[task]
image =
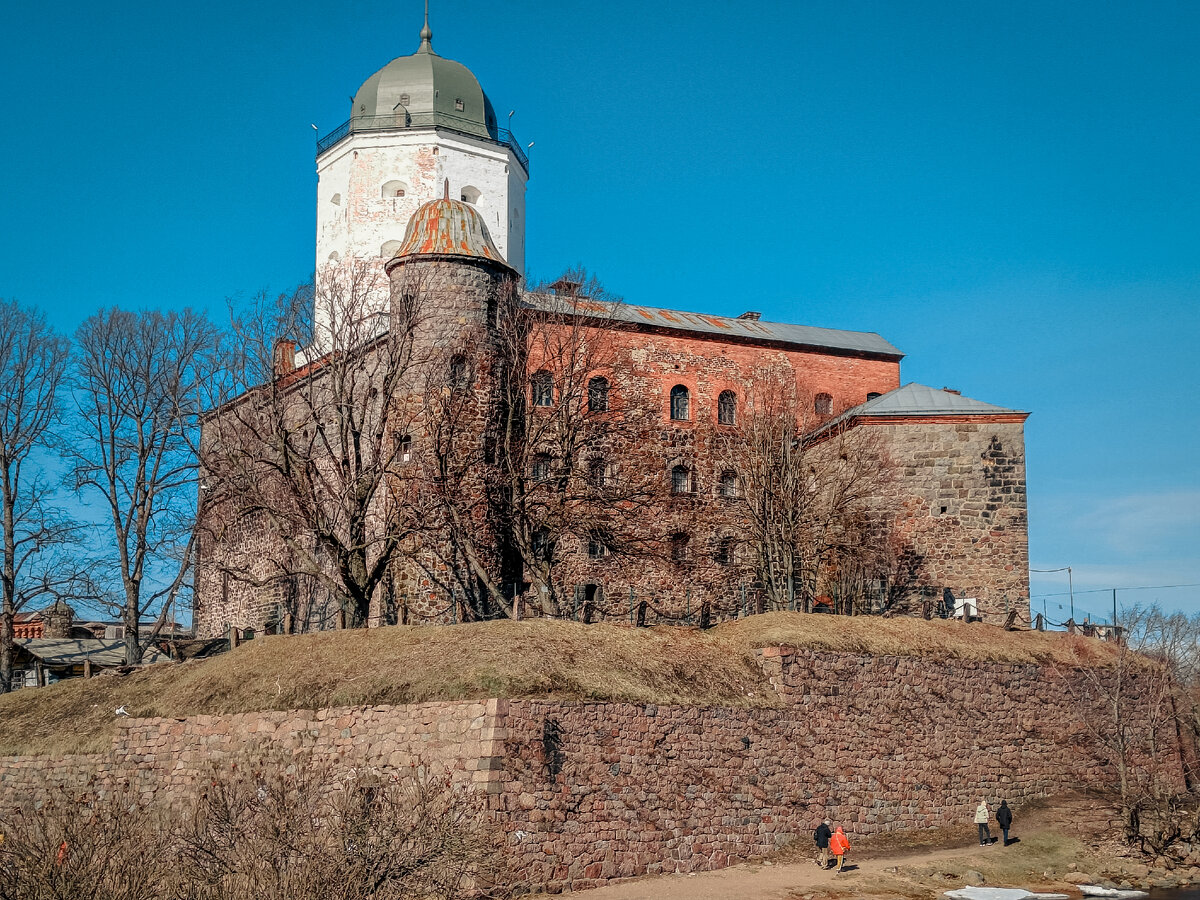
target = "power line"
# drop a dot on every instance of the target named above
(1142, 587)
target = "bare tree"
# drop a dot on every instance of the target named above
(1129, 719)
(33, 363)
(311, 452)
(556, 422)
(142, 380)
(814, 508)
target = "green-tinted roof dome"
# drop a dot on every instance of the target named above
(424, 89)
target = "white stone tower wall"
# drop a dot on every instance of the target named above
(363, 220)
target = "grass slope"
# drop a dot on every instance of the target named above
(537, 658)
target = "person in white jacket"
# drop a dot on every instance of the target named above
(982, 815)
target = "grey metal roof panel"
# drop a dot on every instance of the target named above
(73, 651)
(744, 329)
(914, 399)
(920, 399)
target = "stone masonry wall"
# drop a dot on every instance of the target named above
(965, 514)
(588, 792)
(876, 744)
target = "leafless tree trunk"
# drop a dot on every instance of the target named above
(33, 362)
(143, 379)
(1129, 715)
(815, 510)
(313, 451)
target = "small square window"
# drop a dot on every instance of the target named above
(404, 449)
(458, 104)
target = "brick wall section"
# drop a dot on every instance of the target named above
(876, 743)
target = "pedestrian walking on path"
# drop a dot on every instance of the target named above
(1004, 819)
(982, 815)
(838, 845)
(821, 837)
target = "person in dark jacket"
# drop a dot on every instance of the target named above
(1004, 819)
(821, 836)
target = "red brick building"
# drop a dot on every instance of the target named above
(676, 387)
(624, 492)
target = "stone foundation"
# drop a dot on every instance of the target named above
(589, 792)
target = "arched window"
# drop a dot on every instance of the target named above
(598, 472)
(729, 484)
(389, 248)
(679, 403)
(681, 480)
(727, 408)
(394, 189)
(334, 256)
(598, 394)
(541, 467)
(459, 376)
(598, 545)
(469, 195)
(723, 553)
(543, 388)
(679, 547)
(873, 395)
(542, 546)
(823, 404)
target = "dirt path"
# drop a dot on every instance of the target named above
(758, 881)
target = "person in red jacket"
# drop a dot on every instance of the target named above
(838, 845)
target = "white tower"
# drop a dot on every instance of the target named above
(420, 129)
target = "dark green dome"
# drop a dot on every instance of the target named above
(422, 90)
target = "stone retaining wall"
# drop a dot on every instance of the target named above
(588, 792)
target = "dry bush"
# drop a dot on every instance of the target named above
(72, 842)
(268, 828)
(273, 829)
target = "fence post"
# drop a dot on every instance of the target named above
(630, 605)
(745, 608)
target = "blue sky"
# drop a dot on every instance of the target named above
(1008, 192)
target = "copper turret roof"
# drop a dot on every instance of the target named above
(448, 228)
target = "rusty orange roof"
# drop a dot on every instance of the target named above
(448, 228)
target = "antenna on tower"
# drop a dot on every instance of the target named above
(426, 33)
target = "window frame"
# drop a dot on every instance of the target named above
(680, 401)
(598, 390)
(727, 408)
(541, 385)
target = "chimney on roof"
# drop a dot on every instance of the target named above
(283, 357)
(564, 287)
(751, 316)
(952, 391)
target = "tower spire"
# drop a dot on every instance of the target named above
(426, 33)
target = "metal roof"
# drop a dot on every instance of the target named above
(72, 652)
(743, 329)
(410, 88)
(920, 399)
(915, 399)
(448, 228)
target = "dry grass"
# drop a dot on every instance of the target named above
(563, 660)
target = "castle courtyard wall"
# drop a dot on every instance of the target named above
(589, 792)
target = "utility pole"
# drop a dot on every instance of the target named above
(1071, 591)
(1114, 607)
